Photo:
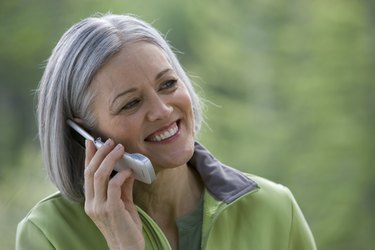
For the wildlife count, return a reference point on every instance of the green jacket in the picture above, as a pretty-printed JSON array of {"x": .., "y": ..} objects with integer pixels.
[{"x": 240, "y": 211}]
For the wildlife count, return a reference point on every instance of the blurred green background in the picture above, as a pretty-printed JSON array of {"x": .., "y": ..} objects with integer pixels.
[{"x": 289, "y": 87}]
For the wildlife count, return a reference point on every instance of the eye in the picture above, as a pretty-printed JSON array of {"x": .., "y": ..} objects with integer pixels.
[
  {"x": 132, "y": 104},
  {"x": 169, "y": 84}
]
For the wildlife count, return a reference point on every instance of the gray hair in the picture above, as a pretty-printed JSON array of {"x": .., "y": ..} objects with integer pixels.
[{"x": 64, "y": 89}]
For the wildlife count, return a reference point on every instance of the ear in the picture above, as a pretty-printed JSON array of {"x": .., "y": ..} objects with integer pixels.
[
  {"x": 79, "y": 121},
  {"x": 82, "y": 124}
]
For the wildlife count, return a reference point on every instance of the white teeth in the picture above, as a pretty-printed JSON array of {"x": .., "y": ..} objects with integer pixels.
[{"x": 165, "y": 135}]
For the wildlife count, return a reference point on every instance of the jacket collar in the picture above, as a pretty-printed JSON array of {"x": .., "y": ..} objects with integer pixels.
[{"x": 224, "y": 183}]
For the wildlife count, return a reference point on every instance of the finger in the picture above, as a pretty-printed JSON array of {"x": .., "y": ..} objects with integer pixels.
[
  {"x": 88, "y": 184},
  {"x": 115, "y": 185},
  {"x": 101, "y": 153},
  {"x": 93, "y": 160},
  {"x": 102, "y": 174},
  {"x": 127, "y": 189},
  {"x": 127, "y": 198},
  {"x": 90, "y": 151}
]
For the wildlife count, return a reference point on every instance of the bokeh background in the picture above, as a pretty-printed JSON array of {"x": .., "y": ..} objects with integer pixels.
[{"x": 289, "y": 89}]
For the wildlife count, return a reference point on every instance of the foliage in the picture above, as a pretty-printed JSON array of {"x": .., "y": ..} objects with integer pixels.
[
  {"x": 290, "y": 86},
  {"x": 23, "y": 186}
]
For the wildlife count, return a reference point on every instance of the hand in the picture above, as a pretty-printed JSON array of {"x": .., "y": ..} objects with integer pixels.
[{"x": 109, "y": 202}]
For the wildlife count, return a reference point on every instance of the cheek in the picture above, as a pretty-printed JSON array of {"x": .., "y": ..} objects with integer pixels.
[
  {"x": 121, "y": 131},
  {"x": 185, "y": 100},
  {"x": 129, "y": 134},
  {"x": 186, "y": 106},
  {"x": 189, "y": 107}
]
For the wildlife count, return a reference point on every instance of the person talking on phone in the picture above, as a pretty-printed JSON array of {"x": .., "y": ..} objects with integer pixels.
[{"x": 117, "y": 78}]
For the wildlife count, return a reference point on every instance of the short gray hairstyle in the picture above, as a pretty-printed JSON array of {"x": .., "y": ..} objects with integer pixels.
[{"x": 64, "y": 89}]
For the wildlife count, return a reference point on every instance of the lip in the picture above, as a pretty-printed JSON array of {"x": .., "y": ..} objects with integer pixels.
[{"x": 165, "y": 128}]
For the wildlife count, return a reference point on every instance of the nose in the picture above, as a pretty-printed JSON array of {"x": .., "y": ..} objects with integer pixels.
[{"x": 159, "y": 109}]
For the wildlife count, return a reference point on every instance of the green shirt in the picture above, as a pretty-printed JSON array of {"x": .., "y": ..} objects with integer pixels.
[{"x": 190, "y": 229}]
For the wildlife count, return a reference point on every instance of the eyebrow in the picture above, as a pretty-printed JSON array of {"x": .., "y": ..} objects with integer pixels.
[
  {"x": 161, "y": 73},
  {"x": 158, "y": 76},
  {"x": 122, "y": 94}
]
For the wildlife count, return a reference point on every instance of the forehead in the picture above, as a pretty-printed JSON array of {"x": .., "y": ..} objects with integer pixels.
[
  {"x": 138, "y": 52},
  {"x": 133, "y": 63}
]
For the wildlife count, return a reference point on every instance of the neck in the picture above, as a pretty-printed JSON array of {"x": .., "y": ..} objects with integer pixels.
[{"x": 175, "y": 193}]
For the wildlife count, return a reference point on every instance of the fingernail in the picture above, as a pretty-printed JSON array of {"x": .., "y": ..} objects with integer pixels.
[
  {"x": 108, "y": 142},
  {"x": 118, "y": 147}
]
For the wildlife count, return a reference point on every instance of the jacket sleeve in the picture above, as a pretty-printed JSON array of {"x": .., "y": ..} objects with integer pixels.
[
  {"x": 30, "y": 237},
  {"x": 300, "y": 237}
]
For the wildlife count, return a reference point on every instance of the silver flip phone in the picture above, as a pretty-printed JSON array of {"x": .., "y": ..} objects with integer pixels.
[{"x": 140, "y": 164}]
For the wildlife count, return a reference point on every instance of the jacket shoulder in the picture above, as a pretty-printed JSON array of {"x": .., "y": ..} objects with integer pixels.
[
  {"x": 52, "y": 221},
  {"x": 271, "y": 198},
  {"x": 265, "y": 218},
  {"x": 52, "y": 209},
  {"x": 269, "y": 187}
]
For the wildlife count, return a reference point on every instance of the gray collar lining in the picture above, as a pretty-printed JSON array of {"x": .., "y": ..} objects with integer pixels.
[{"x": 224, "y": 183}]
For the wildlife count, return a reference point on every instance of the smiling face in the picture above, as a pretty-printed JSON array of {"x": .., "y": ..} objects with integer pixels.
[{"x": 141, "y": 103}]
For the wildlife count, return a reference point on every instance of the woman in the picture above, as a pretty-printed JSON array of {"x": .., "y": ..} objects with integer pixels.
[{"x": 118, "y": 78}]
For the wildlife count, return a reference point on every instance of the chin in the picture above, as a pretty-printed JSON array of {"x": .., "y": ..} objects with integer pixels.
[{"x": 173, "y": 160}]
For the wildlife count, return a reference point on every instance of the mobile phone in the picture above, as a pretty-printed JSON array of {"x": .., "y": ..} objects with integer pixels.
[{"x": 140, "y": 164}]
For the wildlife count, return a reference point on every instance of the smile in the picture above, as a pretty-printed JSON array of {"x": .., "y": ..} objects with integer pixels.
[{"x": 164, "y": 134}]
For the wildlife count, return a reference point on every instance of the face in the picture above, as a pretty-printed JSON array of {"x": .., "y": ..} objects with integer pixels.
[{"x": 141, "y": 103}]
